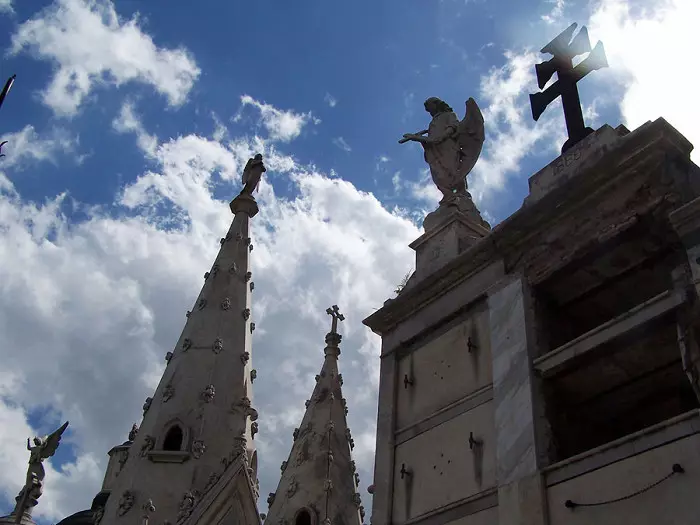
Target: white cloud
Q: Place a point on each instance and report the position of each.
(90, 45)
(511, 134)
(342, 144)
(555, 14)
(26, 146)
(129, 122)
(330, 100)
(281, 125)
(6, 6)
(130, 280)
(649, 50)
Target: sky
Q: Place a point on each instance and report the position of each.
(128, 128)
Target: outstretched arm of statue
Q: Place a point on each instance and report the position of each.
(29, 447)
(413, 136)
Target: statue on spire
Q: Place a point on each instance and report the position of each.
(252, 173)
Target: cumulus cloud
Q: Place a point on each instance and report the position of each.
(281, 125)
(6, 6)
(129, 122)
(95, 305)
(648, 51)
(27, 146)
(89, 45)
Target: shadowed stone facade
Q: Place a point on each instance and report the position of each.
(547, 371)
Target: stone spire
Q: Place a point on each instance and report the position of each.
(195, 443)
(319, 483)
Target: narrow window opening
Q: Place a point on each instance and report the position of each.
(173, 439)
(303, 518)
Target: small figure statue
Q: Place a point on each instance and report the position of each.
(133, 432)
(451, 147)
(43, 449)
(252, 173)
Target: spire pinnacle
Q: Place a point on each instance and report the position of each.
(333, 337)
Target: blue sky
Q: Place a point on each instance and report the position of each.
(128, 128)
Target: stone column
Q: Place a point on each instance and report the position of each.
(521, 491)
(383, 482)
(686, 222)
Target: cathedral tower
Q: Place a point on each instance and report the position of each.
(319, 483)
(193, 459)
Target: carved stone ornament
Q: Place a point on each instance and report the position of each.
(253, 429)
(213, 478)
(168, 357)
(327, 485)
(148, 507)
(348, 436)
(357, 499)
(226, 303)
(327, 521)
(344, 403)
(340, 379)
(188, 314)
(292, 487)
(248, 276)
(357, 479)
(222, 241)
(214, 270)
(168, 392)
(99, 514)
(331, 458)
(147, 405)
(125, 502)
(148, 443)
(252, 327)
(253, 375)
(330, 426)
(206, 275)
(353, 466)
(186, 505)
(307, 403)
(246, 313)
(186, 344)
(317, 378)
(233, 268)
(250, 248)
(201, 304)
(198, 448)
(218, 345)
(283, 466)
(362, 513)
(295, 434)
(270, 499)
(208, 393)
(133, 432)
(252, 286)
(123, 458)
(245, 357)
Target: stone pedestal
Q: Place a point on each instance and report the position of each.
(244, 203)
(12, 519)
(449, 232)
(576, 160)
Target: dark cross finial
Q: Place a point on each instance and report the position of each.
(564, 49)
(337, 316)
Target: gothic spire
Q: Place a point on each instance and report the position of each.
(196, 437)
(319, 482)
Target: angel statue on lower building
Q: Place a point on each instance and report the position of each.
(451, 148)
(43, 449)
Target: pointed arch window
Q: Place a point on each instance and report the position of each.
(303, 517)
(173, 439)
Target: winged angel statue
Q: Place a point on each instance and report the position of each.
(252, 173)
(43, 448)
(451, 146)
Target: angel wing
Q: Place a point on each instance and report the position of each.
(470, 135)
(52, 441)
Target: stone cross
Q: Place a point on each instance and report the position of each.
(337, 316)
(564, 49)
